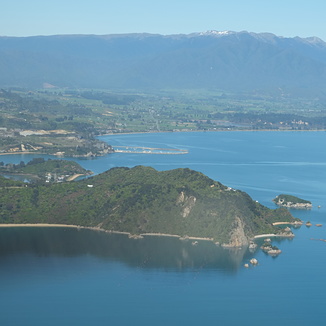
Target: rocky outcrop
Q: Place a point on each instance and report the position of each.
(297, 205)
(253, 261)
(238, 237)
(187, 203)
(274, 252)
(270, 250)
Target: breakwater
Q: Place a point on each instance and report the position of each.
(148, 150)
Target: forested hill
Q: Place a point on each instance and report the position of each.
(142, 200)
(224, 60)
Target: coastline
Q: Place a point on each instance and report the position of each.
(75, 176)
(9, 225)
(167, 131)
(224, 130)
(96, 228)
(133, 236)
(285, 223)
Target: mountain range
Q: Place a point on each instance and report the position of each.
(234, 61)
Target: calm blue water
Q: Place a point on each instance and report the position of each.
(69, 277)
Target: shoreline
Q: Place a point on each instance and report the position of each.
(75, 176)
(157, 132)
(9, 225)
(130, 235)
(285, 223)
(183, 131)
(96, 228)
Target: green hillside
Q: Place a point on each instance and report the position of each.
(143, 200)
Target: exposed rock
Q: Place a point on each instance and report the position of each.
(238, 237)
(270, 250)
(297, 223)
(274, 252)
(253, 261)
(181, 198)
(266, 247)
(187, 202)
(252, 245)
(135, 236)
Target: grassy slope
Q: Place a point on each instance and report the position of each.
(141, 200)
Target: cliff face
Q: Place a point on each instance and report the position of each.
(187, 203)
(238, 237)
(142, 200)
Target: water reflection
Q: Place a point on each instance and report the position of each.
(149, 252)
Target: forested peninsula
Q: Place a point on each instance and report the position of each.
(141, 200)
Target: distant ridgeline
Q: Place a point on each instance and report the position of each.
(200, 60)
(142, 200)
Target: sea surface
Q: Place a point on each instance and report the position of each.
(62, 276)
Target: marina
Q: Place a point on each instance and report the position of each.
(148, 150)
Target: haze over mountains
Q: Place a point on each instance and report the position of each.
(215, 60)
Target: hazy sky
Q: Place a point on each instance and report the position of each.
(281, 17)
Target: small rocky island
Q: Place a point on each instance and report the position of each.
(292, 202)
(268, 248)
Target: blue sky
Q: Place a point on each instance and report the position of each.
(282, 17)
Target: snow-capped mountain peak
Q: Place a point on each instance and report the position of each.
(215, 33)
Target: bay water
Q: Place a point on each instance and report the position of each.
(61, 276)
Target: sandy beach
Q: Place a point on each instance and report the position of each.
(273, 235)
(73, 177)
(266, 235)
